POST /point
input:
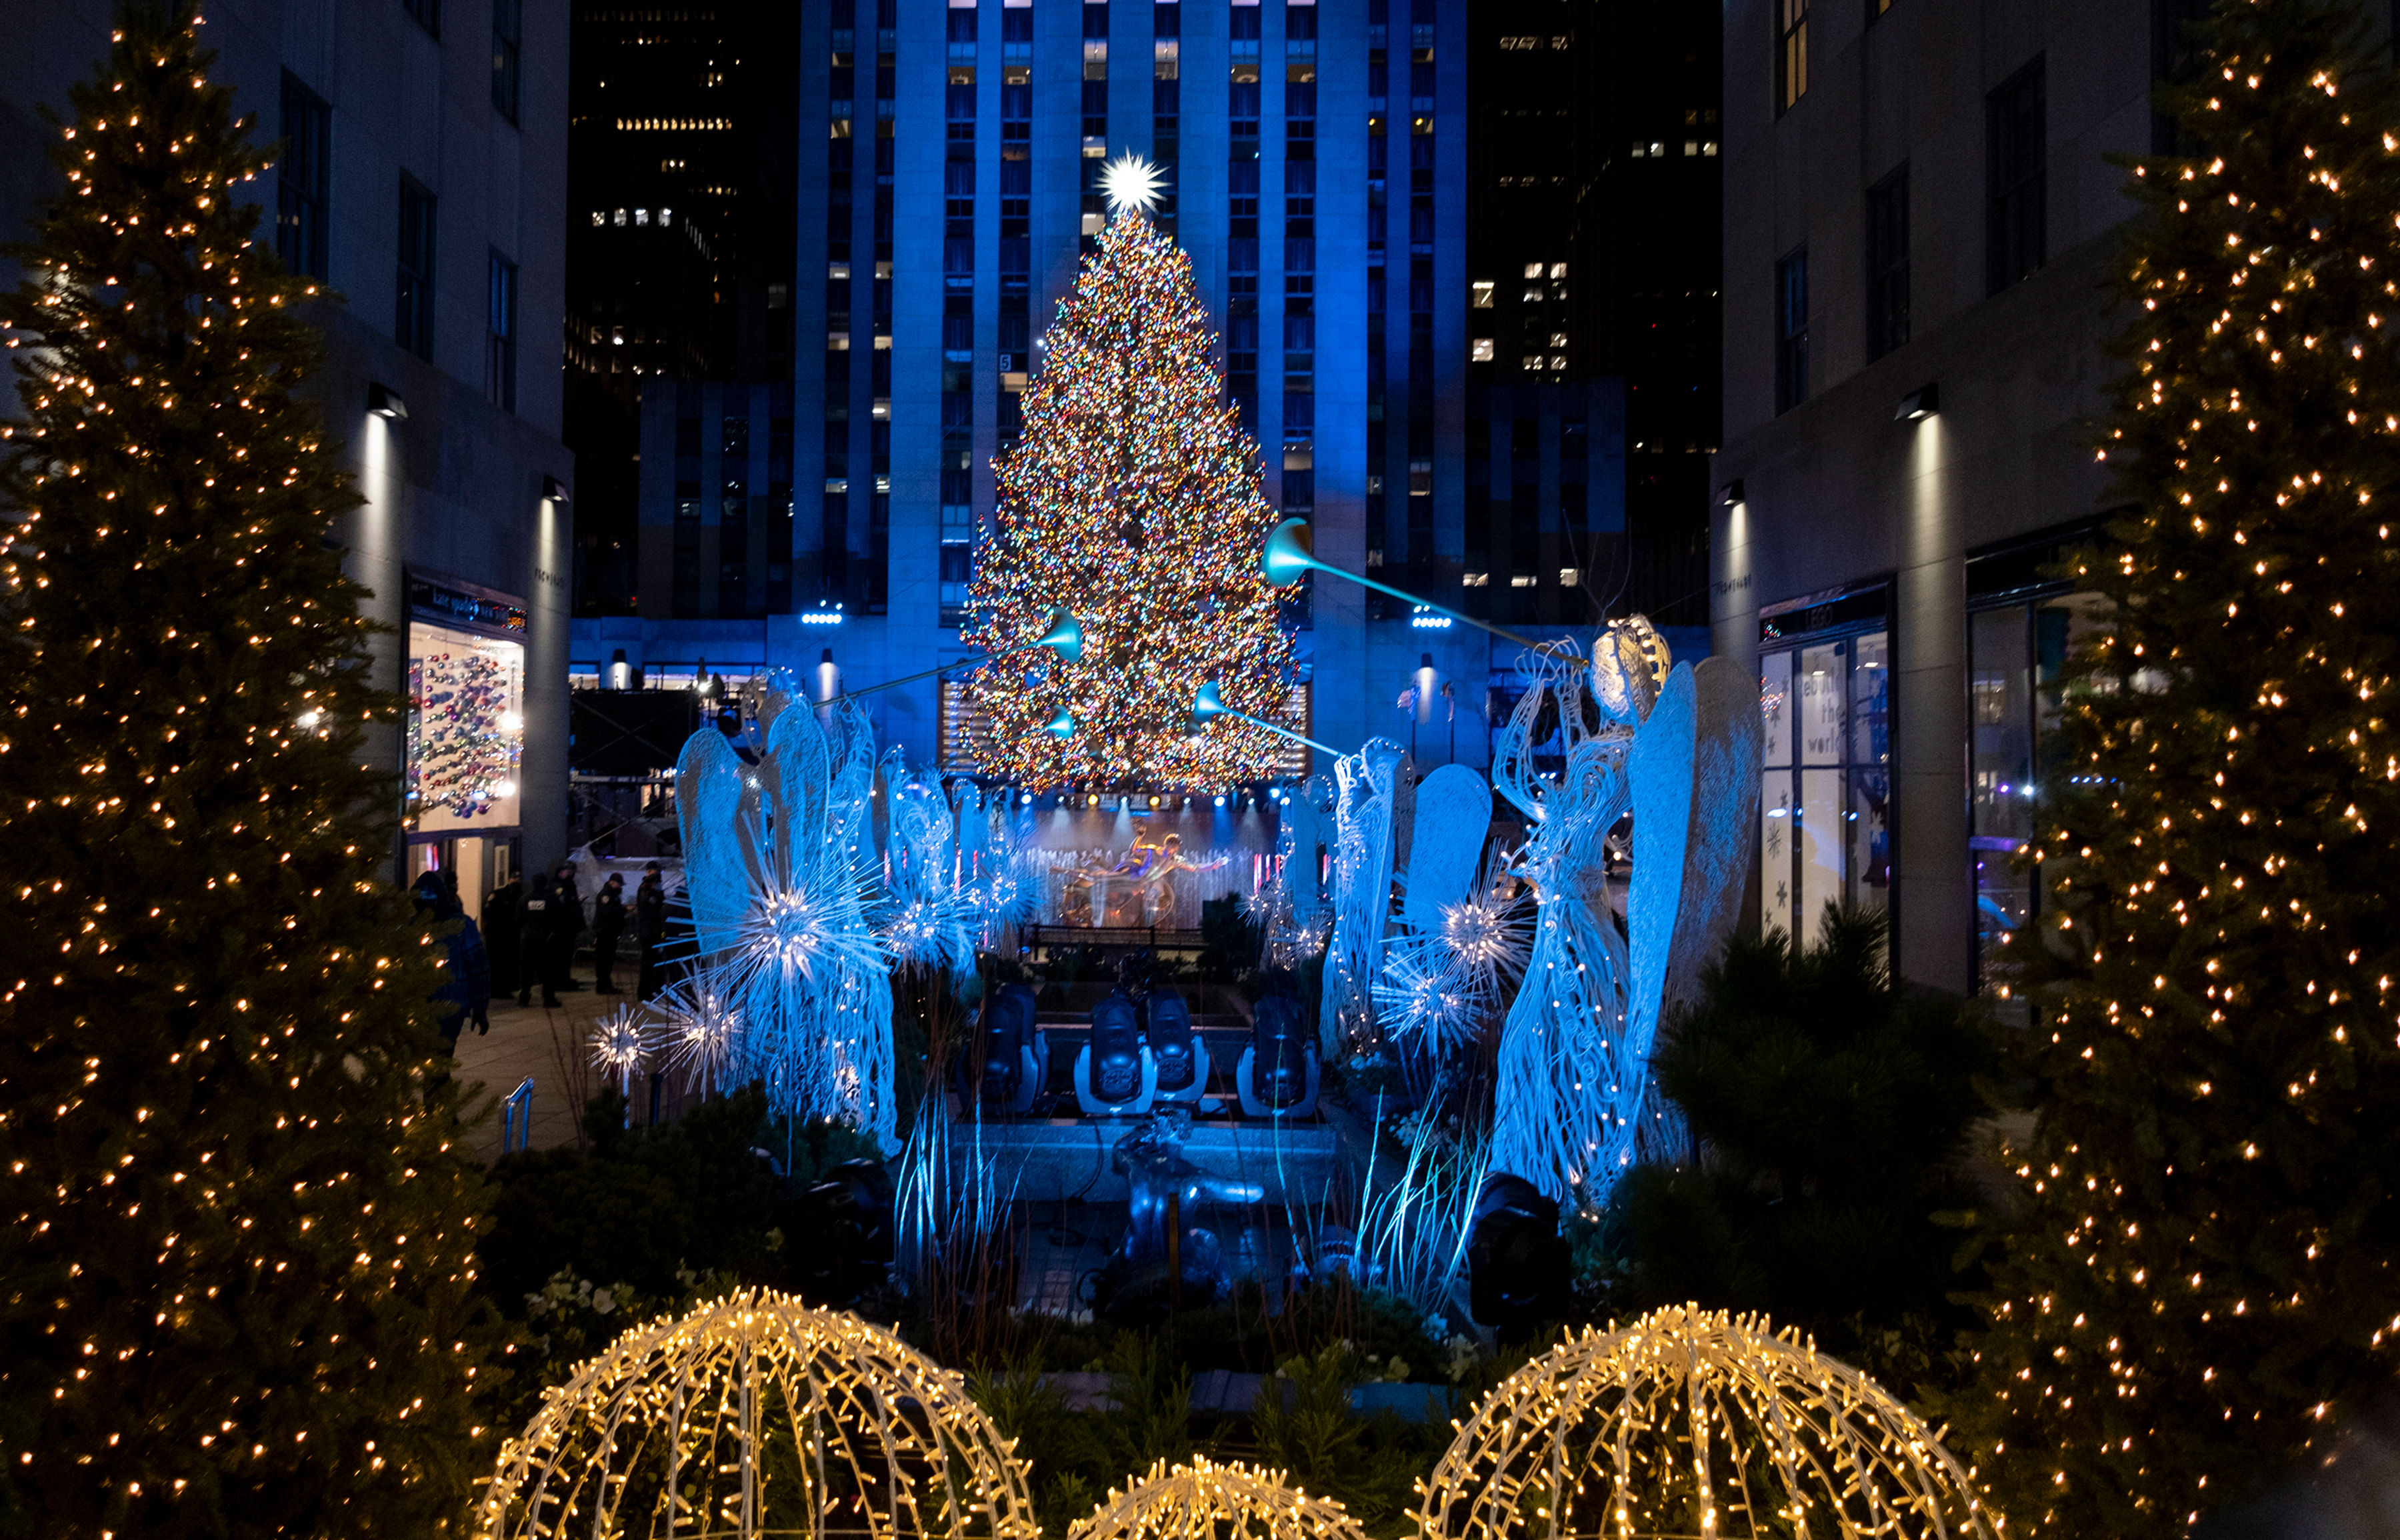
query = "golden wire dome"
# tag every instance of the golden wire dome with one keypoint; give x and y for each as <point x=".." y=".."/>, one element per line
<point x="757" y="1416"/>
<point x="1696" y="1423"/>
<point x="1201" y="1501"/>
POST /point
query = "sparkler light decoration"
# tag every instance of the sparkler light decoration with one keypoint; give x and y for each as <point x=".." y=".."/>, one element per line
<point x="699" y="1025"/>
<point x="1133" y="500"/>
<point x="1451" y="978"/>
<point x="619" y="1043"/>
<point x="1206" y="1501"/>
<point x="1698" y="1423"/>
<point x="755" y="1415"/>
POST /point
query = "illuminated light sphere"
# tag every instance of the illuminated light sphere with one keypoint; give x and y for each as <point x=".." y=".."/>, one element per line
<point x="1698" y="1423"/>
<point x="755" y="1415"/>
<point x="1206" y="1501"/>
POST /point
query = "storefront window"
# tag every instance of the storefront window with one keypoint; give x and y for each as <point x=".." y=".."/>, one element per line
<point x="2022" y="626"/>
<point x="2015" y="654"/>
<point x="1825" y="788"/>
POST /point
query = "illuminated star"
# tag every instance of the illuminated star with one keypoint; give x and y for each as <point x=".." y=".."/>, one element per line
<point x="1131" y="182"/>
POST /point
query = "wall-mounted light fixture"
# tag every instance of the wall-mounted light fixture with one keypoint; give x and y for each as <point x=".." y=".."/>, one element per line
<point x="551" y="487"/>
<point x="1730" y="493"/>
<point x="384" y="401"/>
<point x="1919" y="405"/>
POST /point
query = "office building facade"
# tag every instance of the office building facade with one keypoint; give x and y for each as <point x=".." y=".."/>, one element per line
<point x="1315" y="157"/>
<point x="1917" y="234"/>
<point x="422" y="179"/>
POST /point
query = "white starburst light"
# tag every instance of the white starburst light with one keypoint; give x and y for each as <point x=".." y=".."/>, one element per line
<point x="1130" y="181"/>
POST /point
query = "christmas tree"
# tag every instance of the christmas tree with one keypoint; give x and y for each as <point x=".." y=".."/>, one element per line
<point x="1134" y="501"/>
<point x="236" y="1285"/>
<point x="2203" y="1275"/>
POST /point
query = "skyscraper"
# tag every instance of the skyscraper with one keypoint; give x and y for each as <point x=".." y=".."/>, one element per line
<point x="1316" y="156"/>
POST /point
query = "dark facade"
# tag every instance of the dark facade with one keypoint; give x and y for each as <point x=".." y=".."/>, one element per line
<point x="1592" y="249"/>
<point x="681" y="165"/>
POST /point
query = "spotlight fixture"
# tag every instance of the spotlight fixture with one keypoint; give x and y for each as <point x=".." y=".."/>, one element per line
<point x="1730" y="493"/>
<point x="1919" y="403"/>
<point x="384" y="401"/>
<point x="552" y="489"/>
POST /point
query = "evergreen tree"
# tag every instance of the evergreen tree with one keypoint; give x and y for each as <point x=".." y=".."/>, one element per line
<point x="235" y="1279"/>
<point x="1830" y="1107"/>
<point x="2204" y="1277"/>
<point x="1134" y="501"/>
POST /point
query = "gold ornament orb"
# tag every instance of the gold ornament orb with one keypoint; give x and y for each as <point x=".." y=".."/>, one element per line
<point x="754" y="1416"/>
<point x="1696" y="1423"/>
<point x="1204" y="1501"/>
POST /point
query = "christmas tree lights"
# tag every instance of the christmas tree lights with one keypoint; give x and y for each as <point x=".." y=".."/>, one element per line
<point x="238" y="1286"/>
<point x="2204" y="1254"/>
<point x="1133" y="500"/>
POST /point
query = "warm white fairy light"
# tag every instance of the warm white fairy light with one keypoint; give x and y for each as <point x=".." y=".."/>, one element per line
<point x="756" y="1415"/>
<point x="1693" y="1422"/>
<point x="1206" y="1501"/>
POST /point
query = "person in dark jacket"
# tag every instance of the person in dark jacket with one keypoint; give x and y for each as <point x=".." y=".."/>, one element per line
<point x="566" y="930"/>
<point x="649" y="928"/>
<point x="468" y="985"/>
<point x="608" y="924"/>
<point x="533" y="941"/>
<point x="501" y="935"/>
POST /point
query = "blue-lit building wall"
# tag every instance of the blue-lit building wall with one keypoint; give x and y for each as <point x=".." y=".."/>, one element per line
<point x="1315" y="157"/>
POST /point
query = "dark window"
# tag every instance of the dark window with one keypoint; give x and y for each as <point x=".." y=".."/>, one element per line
<point x="412" y="324"/>
<point x="508" y="38"/>
<point x="1791" y="52"/>
<point x="1791" y="330"/>
<point x="428" y="14"/>
<point x="500" y="337"/>
<point x="1887" y="264"/>
<point x="302" y="178"/>
<point x="2014" y="158"/>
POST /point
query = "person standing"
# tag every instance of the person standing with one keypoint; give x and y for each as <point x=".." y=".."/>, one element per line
<point x="608" y="924"/>
<point x="466" y="989"/>
<point x="649" y="928"/>
<point x="533" y="942"/>
<point x="566" y="930"/>
<point x="500" y="920"/>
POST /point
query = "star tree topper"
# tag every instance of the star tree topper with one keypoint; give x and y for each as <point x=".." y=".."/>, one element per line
<point x="1130" y="181"/>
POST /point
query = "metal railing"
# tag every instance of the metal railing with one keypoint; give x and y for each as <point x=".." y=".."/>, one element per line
<point x="517" y="1116"/>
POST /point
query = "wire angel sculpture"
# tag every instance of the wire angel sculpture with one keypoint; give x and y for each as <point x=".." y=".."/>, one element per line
<point x="932" y="919"/>
<point x="782" y="875"/>
<point x="1363" y="806"/>
<point x="1680" y="751"/>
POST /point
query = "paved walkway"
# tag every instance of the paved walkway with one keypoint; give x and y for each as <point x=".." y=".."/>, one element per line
<point x="553" y="1047"/>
